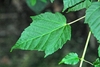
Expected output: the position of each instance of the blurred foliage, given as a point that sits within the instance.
(38, 6)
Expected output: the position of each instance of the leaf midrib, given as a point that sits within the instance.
(43, 34)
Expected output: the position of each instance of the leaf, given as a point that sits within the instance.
(97, 63)
(93, 19)
(38, 7)
(71, 58)
(33, 2)
(99, 51)
(82, 5)
(44, 1)
(48, 32)
(70, 3)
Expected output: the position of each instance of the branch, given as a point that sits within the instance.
(85, 48)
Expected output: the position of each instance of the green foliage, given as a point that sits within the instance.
(97, 63)
(71, 58)
(33, 2)
(38, 6)
(93, 19)
(48, 32)
(44, 1)
(99, 51)
(70, 3)
(82, 5)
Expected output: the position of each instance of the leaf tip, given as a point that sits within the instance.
(11, 50)
(46, 55)
(63, 10)
(60, 62)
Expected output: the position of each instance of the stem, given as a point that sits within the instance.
(76, 20)
(85, 48)
(88, 62)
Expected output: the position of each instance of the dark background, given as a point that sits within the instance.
(15, 17)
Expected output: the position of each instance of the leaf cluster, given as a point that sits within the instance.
(73, 58)
(48, 31)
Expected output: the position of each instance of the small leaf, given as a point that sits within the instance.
(99, 51)
(93, 19)
(82, 5)
(71, 58)
(38, 7)
(48, 32)
(69, 3)
(97, 63)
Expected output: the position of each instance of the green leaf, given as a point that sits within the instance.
(70, 3)
(93, 19)
(44, 1)
(33, 2)
(48, 32)
(97, 63)
(71, 58)
(99, 51)
(82, 5)
(38, 7)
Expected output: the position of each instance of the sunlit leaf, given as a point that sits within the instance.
(71, 58)
(97, 63)
(48, 32)
(93, 19)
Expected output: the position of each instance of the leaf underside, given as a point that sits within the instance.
(71, 58)
(82, 5)
(93, 19)
(48, 32)
(70, 3)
